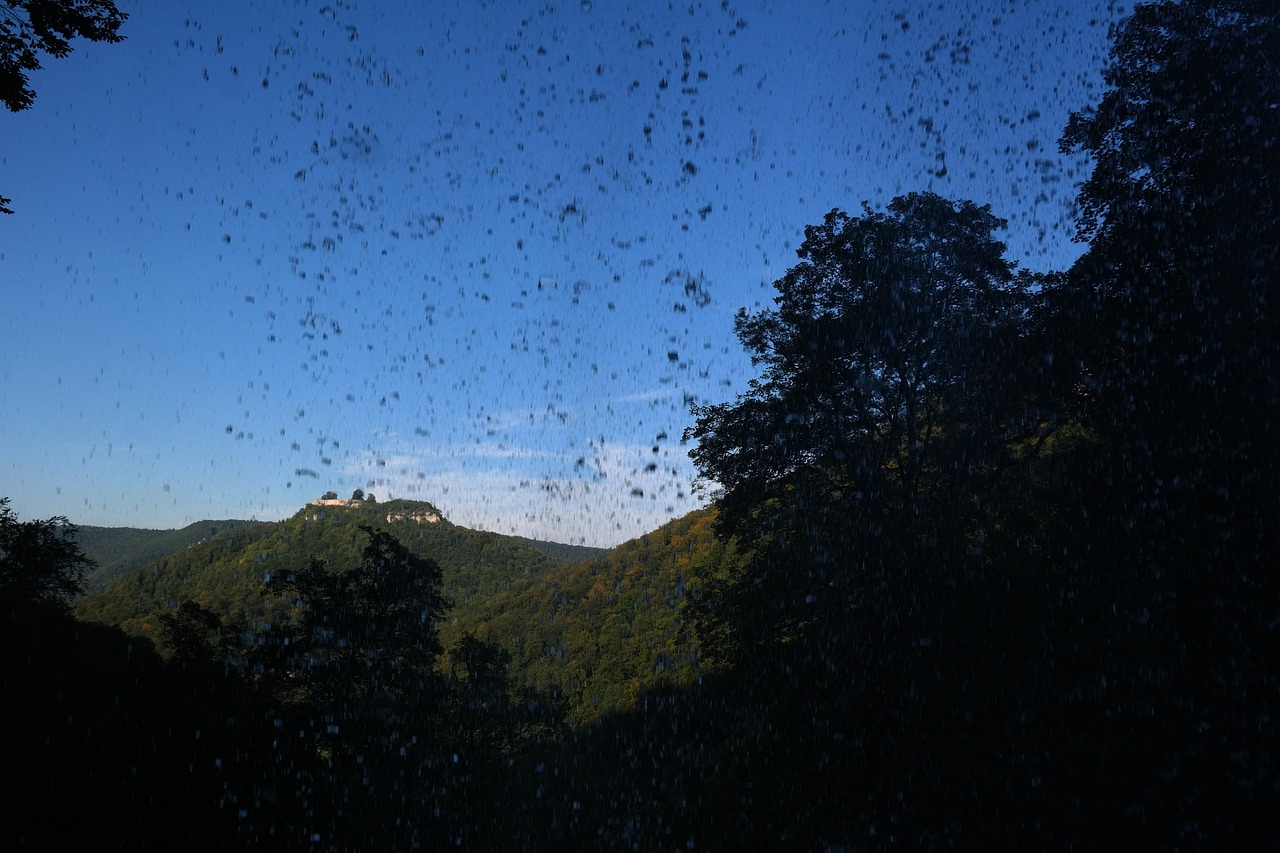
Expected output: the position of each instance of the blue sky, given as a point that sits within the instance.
(484, 255)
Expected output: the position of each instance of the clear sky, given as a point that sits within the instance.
(481, 254)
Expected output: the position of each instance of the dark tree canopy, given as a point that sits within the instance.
(1172, 311)
(883, 328)
(40, 563)
(195, 635)
(1160, 532)
(1175, 297)
(358, 665)
(1188, 122)
(29, 28)
(879, 361)
(368, 632)
(1025, 535)
(999, 571)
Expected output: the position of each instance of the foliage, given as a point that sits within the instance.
(603, 632)
(41, 564)
(363, 634)
(354, 670)
(562, 552)
(883, 367)
(490, 717)
(225, 572)
(117, 551)
(1170, 316)
(1174, 299)
(214, 573)
(195, 636)
(1049, 598)
(108, 726)
(595, 633)
(991, 566)
(31, 27)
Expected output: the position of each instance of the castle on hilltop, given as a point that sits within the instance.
(430, 515)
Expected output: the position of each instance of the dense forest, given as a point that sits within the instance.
(987, 567)
(594, 633)
(117, 551)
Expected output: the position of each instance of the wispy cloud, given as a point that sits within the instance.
(649, 396)
(604, 496)
(528, 417)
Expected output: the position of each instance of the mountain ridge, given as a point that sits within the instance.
(120, 550)
(597, 631)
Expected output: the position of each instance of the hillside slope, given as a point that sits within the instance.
(120, 550)
(595, 633)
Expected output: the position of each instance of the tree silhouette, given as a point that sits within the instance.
(196, 636)
(881, 362)
(41, 566)
(1168, 591)
(29, 28)
(1175, 296)
(357, 669)
(369, 632)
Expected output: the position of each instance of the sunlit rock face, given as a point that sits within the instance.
(419, 516)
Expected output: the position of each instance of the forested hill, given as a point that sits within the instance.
(601, 632)
(120, 550)
(116, 551)
(563, 552)
(226, 573)
(595, 633)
